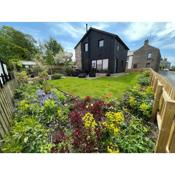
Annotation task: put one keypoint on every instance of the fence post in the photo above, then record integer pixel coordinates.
(167, 120)
(155, 84)
(156, 100)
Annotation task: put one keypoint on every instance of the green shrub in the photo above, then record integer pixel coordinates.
(144, 79)
(27, 135)
(56, 76)
(22, 77)
(59, 94)
(43, 76)
(133, 137)
(69, 70)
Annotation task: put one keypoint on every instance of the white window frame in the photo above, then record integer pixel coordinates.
(86, 47)
(94, 64)
(101, 43)
(149, 56)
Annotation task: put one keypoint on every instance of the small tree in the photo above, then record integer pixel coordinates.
(52, 48)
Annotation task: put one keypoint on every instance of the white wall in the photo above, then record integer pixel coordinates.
(130, 59)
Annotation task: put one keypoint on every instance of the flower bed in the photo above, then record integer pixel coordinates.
(47, 120)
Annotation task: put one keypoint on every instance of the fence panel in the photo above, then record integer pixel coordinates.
(164, 111)
(6, 106)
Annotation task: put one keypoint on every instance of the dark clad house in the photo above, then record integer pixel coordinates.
(101, 51)
(147, 56)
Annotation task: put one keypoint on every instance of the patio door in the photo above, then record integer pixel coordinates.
(99, 65)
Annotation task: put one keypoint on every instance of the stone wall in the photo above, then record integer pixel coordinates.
(78, 56)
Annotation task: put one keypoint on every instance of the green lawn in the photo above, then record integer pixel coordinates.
(99, 87)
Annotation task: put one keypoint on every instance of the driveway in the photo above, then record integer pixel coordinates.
(169, 75)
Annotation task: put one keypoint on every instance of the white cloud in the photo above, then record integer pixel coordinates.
(73, 30)
(168, 46)
(171, 59)
(167, 29)
(67, 29)
(137, 31)
(101, 26)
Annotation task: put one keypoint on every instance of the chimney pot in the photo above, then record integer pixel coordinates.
(146, 42)
(86, 27)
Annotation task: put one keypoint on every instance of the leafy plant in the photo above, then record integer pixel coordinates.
(27, 135)
(133, 137)
(21, 77)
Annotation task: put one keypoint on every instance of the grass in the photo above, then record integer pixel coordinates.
(99, 87)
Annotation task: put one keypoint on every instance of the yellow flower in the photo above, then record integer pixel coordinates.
(110, 150)
(113, 119)
(89, 121)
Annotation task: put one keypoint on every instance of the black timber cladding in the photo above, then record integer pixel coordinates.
(116, 58)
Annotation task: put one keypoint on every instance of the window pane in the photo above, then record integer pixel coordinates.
(86, 47)
(99, 65)
(118, 47)
(149, 55)
(105, 64)
(94, 64)
(101, 43)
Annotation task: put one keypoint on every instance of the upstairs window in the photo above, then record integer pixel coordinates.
(149, 56)
(86, 47)
(118, 47)
(101, 43)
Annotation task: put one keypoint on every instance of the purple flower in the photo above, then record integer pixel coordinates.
(42, 96)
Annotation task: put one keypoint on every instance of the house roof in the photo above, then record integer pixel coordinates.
(104, 32)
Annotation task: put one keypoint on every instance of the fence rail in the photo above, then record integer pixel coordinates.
(164, 113)
(6, 105)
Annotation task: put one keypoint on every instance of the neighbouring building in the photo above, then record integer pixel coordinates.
(147, 56)
(28, 64)
(164, 63)
(129, 59)
(101, 51)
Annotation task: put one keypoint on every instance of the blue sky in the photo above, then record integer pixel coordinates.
(160, 34)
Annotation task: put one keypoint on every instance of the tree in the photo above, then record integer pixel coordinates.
(16, 45)
(53, 46)
(52, 49)
(63, 58)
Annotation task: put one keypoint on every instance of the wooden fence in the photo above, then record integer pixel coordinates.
(6, 106)
(163, 112)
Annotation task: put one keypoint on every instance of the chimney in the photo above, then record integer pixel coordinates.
(146, 42)
(86, 27)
